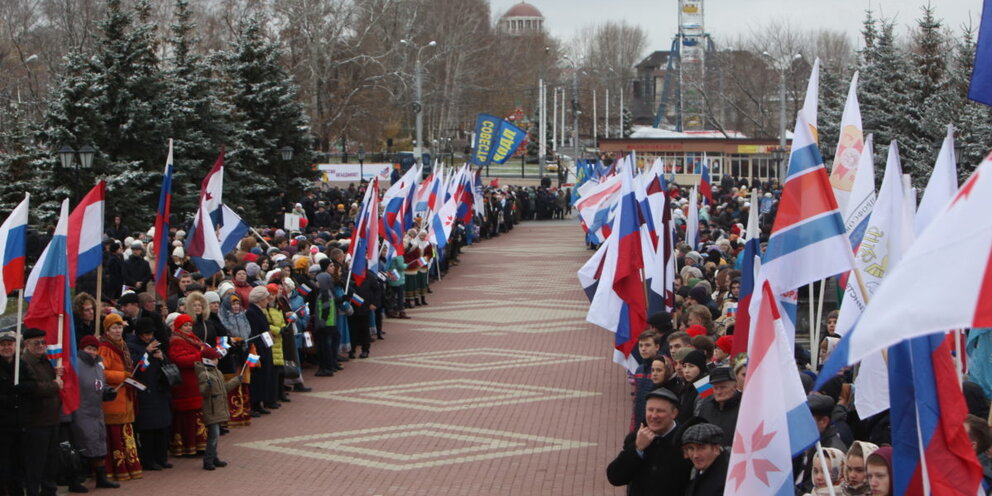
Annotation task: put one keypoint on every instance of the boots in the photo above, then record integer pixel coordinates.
(409, 303)
(75, 487)
(423, 300)
(403, 315)
(101, 478)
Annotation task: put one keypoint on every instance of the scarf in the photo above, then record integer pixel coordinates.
(120, 349)
(236, 323)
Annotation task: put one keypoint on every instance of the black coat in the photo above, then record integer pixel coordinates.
(723, 416)
(162, 333)
(662, 466)
(153, 407)
(712, 480)
(8, 398)
(136, 270)
(40, 398)
(370, 291)
(113, 267)
(262, 377)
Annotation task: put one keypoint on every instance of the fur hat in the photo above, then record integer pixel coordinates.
(112, 319)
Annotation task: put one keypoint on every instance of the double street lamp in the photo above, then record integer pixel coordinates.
(418, 105)
(67, 157)
(781, 64)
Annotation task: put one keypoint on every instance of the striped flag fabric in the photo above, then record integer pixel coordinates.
(703, 387)
(13, 246)
(750, 264)
(202, 245)
(232, 229)
(253, 360)
(162, 246)
(50, 306)
(145, 362)
(357, 300)
(85, 239)
(364, 247)
(54, 354)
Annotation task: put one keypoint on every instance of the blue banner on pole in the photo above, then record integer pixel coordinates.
(508, 140)
(486, 129)
(981, 75)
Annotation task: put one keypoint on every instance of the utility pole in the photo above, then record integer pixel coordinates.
(595, 130)
(542, 106)
(418, 105)
(607, 125)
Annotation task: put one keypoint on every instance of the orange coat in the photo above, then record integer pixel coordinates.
(121, 410)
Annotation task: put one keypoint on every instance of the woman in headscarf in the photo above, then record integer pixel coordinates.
(855, 470)
(189, 434)
(88, 427)
(411, 256)
(834, 459)
(198, 309)
(235, 320)
(123, 462)
(880, 471)
(263, 376)
(426, 255)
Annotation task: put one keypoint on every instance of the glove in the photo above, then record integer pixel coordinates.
(109, 394)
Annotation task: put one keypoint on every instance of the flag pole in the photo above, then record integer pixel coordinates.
(814, 329)
(819, 306)
(825, 468)
(259, 236)
(99, 300)
(958, 359)
(17, 337)
(61, 328)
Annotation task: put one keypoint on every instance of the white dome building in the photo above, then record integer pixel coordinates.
(522, 19)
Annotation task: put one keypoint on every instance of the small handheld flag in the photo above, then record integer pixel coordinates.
(422, 261)
(303, 289)
(178, 273)
(703, 387)
(54, 352)
(253, 360)
(145, 363)
(292, 318)
(357, 300)
(394, 275)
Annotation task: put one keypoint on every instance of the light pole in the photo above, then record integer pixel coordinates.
(418, 106)
(67, 159)
(361, 163)
(575, 114)
(781, 65)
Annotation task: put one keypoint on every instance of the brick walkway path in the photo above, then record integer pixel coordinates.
(498, 387)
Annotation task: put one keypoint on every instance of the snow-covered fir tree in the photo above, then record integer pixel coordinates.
(627, 123)
(266, 100)
(17, 153)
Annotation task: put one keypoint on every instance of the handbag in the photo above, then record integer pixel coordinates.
(290, 370)
(170, 372)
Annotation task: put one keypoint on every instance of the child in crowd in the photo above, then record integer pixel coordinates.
(214, 391)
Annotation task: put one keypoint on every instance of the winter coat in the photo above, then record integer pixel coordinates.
(399, 264)
(277, 322)
(162, 333)
(724, 416)
(8, 398)
(184, 351)
(262, 378)
(214, 391)
(88, 427)
(662, 466)
(40, 396)
(152, 406)
(205, 331)
(113, 268)
(136, 270)
(711, 480)
(121, 410)
(371, 293)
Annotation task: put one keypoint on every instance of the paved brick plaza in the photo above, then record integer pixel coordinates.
(498, 387)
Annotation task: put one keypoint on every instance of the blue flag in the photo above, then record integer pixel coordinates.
(981, 75)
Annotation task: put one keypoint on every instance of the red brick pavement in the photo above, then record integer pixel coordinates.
(498, 387)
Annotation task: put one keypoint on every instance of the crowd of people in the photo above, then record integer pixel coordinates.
(163, 378)
(688, 387)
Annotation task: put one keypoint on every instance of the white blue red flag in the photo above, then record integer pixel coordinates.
(232, 229)
(442, 222)
(202, 245)
(145, 362)
(703, 387)
(50, 307)
(619, 304)
(774, 424)
(750, 263)
(808, 241)
(364, 247)
(13, 245)
(705, 184)
(162, 245)
(86, 234)
(391, 228)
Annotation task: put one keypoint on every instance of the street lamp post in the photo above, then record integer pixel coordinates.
(67, 158)
(575, 115)
(361, 163)
(781, 65)
(418, 105)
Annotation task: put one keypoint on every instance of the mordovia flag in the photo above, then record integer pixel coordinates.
(619, 304)
(774, 424)
(808, 241)
(954, 253)
(849, 147)
(202, 245)
(50, 307)
(162, 247)
(13, 245)
(441, 223)
(85, 239)
(750, 263)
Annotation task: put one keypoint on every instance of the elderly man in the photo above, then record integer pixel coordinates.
(651, 458)
(10, 428)
(39, 391)
(723, 406)
(702, 444)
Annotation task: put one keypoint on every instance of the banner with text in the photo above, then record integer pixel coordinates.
(495, 140)
(352, 172)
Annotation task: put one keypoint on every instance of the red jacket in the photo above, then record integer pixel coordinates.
(186, 396)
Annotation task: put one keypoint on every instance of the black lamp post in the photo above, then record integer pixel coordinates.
(67, 158)
(778, 155)
(286, 152)
(361, 163)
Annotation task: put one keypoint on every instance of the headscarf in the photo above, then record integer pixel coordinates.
(326, 285)
(860, 449)
(883, 454)
(835, 462)
(236, 323)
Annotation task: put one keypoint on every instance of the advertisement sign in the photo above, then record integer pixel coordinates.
(354, 172)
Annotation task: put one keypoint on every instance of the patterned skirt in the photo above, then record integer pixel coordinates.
(189, 435)
(122, 460)
(239, 405)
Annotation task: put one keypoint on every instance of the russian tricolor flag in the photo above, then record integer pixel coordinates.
(357, 300)
(85, 237)
(441, 224)
(145, 363)
(50, 306)
(364, 247)
(253, 360)
(13, 242)
(703, 387)
(162, 245)
(705, 186)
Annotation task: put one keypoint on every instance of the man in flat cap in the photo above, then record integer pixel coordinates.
(702, 445)
(651, 458)
(723, 406)
(39, 392)
(10, 427)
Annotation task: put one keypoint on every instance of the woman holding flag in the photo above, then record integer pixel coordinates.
(122, 463)
(239, 330)
(189, 434)
(89, 431)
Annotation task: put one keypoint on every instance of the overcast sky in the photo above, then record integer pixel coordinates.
(725, 19)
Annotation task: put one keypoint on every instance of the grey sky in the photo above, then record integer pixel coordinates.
(726, 19)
